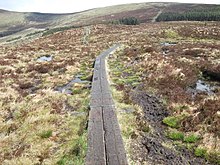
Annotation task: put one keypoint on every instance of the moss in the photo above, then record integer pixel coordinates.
(175, 135)
(86, 75)
(172, 121)
(191, 138)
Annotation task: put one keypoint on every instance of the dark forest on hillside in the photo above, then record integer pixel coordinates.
(203, 14)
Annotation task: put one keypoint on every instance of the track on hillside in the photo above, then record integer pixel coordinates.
(105, 144)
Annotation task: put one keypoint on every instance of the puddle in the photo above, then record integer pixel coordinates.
(126, 110)
(202, 87)
(78, 113)
(165, 51)
(165, 45)
(168, 43)
(67, 88)
(45, 58)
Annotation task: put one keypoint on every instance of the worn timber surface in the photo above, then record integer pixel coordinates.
(105, 144)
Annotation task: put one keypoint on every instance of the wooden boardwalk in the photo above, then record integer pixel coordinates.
(105, 144)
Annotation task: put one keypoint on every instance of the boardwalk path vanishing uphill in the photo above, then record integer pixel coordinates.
(105, 144)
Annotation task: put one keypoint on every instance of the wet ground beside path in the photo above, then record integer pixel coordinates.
(154, 147)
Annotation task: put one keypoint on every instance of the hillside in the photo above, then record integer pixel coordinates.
(165, 82)
(13, 22)
(22, 24)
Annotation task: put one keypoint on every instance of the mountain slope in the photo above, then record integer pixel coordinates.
(12, 22)
(24, 20)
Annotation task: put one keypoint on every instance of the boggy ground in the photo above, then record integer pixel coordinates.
(162, 75)
(155, 143)
(40, 125)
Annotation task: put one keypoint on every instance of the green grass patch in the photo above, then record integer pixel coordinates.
(191, 138)
(79, 149)
(172, 121)
(118, 81)
(64, 160)
(117, 73)
(46, 134)
(212, 157)
(128, 125)
(175, 135)
(78, 152)
(131, 79)
(170, 34)
(77, 91)
(200, 152)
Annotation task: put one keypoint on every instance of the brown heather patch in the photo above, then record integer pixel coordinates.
(205, 117)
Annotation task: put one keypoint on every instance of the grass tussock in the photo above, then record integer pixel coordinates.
(171, 121)
(175, 135)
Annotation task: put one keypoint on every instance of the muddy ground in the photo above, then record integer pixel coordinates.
(151, 147)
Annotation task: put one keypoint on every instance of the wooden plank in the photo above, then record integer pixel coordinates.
(105, 144)
(113, 141)
(96, 145)
(107, 99)
(96, 99)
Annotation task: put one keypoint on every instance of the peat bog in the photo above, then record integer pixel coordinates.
(162, 123)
